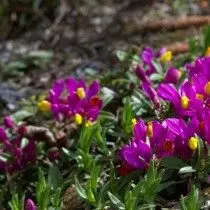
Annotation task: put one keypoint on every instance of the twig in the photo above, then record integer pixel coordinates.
(41, 134)
(178, 47)
(167, 24)
(63, 10)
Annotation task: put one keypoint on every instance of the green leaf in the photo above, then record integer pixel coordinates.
(4, 157)
(206, 38)
(107, 95)
(54, 177)
(193, 201)
(146, 207)
(173, 163)
(94, 177)
(116, 201)
(86, 138)
(66, 151)
(127, 116)
(156, 77)
(21, 115)
(79, 188)
(40, 55)
(130, 203)
(158, 67)
(24, 143)
(186, 169)
(106, 116)
(45, 198)
(14, 68)
(164, 185)
(41, 187)
(56, 200)
(121, 55)
(90, 195)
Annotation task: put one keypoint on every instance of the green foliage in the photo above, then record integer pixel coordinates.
(16, 203)
(34, 58)
(192, 201)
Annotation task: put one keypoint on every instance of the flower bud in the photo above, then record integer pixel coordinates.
(29, 205)
(8, 122)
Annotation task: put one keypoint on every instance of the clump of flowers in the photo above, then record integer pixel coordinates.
(70, 99)
(179, 136)
(147, 69)
(172, 137)
(16, 151)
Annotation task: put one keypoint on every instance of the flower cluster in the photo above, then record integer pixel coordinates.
(16, 151)
(176, 136)
(72, 99)
(172, 137)
(147, 69)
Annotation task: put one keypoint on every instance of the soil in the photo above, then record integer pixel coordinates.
(82, 34)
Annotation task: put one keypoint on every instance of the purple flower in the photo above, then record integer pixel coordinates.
(8, 122)
(29, 205)
(3, 135)
(72, 99)
(172, 75)
(13, 144)
(148, 55)
(138, 153)
(163, 139)
(147, 87)
(151, 94)
(184, 101)
(141, 74)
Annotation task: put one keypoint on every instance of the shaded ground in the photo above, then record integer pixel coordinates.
(81, 35)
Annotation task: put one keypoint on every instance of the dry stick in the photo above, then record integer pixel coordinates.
(41, 134)
(178, 47)
(168, 24)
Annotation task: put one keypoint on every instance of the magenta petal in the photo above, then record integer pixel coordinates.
(144, 150)
(140, 130)
(71, 85)
(196, 105)
(168, 92)
(58, 87)
(131, 157)
(188, 90)
(151, 93)
(29, 205)
(93, 89)
(3, 135)
(141, 74)
(93, 114)
(136, 156)
(161, 51)
(172, 76)
(8, 122)
(147, 55)
(175, 125)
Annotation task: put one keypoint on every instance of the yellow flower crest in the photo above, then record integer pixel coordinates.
(199, 96)
(88, 123)
(78, 119)
(149, 130)
(166, 57)
(44, 106)
(80, 93)
(207, 88)
(180, 73)
(207, 53)
(193, 143)
(134, 121)
(184, 102)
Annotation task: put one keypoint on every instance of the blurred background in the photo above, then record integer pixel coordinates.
(42, 40)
